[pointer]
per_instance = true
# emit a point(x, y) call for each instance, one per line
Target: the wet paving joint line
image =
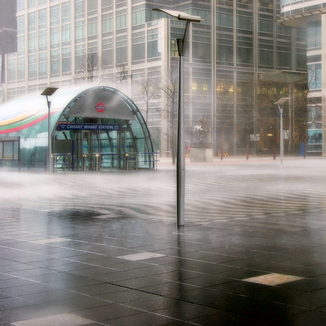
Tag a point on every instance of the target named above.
point(138, 309)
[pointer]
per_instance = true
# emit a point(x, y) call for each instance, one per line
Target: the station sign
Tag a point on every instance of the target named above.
point(88, 126)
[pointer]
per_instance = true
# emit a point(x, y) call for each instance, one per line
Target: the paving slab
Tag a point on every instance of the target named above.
point(104, 248)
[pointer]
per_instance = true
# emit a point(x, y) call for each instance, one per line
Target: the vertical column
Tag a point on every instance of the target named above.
point(213, 42)
point(323, 33)
point(256, 57)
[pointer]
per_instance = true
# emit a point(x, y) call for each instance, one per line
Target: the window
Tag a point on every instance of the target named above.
point(79, 31)
point(42, 65)
point(79, 57)
point(121, 19)
point(314, 34)
point(314, 76)
point(92, 48)
point(66, 34)
point(266, 26)
point(138, 46)
point(20, 45)
point(42, 40)
point(32, 67)
point(20, 25)
point(65, 12)
point(107, 23)
point(224, 19)
point(31, 4)
point(121, 49)
point(106, 5)
point(245, 50)
point(21, 69)
point(107, 52)
point(55, 15)
point(92, 26)
point(32, 42)
point(32, 21)
point(79, 9)
point(55, 37)
point(11, 70)
point(42, 19)
point(244, 23)
point(153, 49)
point(66, 61)
point(266, 58)
point(55, 63)
point(224, 48)
point(20, 5)
point(92, 7)
point(139, 17)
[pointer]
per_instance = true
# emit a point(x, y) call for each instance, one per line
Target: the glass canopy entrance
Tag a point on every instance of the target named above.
point(94, 129)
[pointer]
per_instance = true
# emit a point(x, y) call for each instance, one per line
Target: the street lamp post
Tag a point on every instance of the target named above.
point(48, 92)
point(180, 135)
point(278, 103)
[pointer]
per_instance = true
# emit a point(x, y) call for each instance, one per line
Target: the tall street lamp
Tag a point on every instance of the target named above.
point(278, 103)
point(181, 43)
point(48, 92)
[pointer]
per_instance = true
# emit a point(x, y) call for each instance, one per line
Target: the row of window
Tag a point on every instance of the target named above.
point(79, 5)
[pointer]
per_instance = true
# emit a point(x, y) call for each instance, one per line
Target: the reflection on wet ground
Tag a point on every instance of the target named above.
point(103, 248)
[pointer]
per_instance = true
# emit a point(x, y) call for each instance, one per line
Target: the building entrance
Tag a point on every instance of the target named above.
point(94, 150)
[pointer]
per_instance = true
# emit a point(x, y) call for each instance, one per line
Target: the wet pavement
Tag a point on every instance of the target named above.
point(103, 248)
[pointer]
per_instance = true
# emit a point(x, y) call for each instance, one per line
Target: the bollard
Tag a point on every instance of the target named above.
point(97, 162)
point(84, 162)
point(127, 161)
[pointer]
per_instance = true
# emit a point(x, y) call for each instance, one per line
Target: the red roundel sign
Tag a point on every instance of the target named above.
point(100, 107)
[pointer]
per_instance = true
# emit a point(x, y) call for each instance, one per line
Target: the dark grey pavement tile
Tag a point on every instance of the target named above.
point(50, 296)
point(108, 312)
point(188, 311)
point(27, 289)
point(125, 296)
point(141, 319)
point(221, 319)
point(140, 282)
point(152, 302)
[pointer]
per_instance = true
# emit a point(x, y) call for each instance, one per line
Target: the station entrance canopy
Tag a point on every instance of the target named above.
point(92, 129)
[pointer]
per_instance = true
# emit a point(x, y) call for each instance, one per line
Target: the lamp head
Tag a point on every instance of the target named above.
point(49, 91)
point(180, 15)
point(282, 100)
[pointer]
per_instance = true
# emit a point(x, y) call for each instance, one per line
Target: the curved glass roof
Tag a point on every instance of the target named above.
point(26, 117)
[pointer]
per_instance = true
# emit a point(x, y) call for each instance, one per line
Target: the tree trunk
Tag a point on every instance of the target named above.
point(274, 145)
point(305, 140)
point(222, 142)
point(173, 146)
point(248, 145)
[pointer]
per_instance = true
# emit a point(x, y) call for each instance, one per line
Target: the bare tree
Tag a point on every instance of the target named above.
point(169, 88)
point(148, 90)
point(246, 116)
point(224, 104)
point(87, 69)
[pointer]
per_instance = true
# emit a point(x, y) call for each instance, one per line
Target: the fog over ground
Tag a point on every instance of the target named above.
point(234, 188)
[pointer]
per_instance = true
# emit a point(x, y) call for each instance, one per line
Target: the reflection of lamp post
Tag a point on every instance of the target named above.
point(181, 137)
point(278, 103)
point(48, 92)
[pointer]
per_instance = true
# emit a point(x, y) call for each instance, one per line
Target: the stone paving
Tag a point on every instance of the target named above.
point(103, 248)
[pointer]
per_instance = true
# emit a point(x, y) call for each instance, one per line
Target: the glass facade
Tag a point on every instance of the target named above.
point(308, 15)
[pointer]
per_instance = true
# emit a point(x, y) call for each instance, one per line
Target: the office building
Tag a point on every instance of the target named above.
point(234, 58)
point(310, 15)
